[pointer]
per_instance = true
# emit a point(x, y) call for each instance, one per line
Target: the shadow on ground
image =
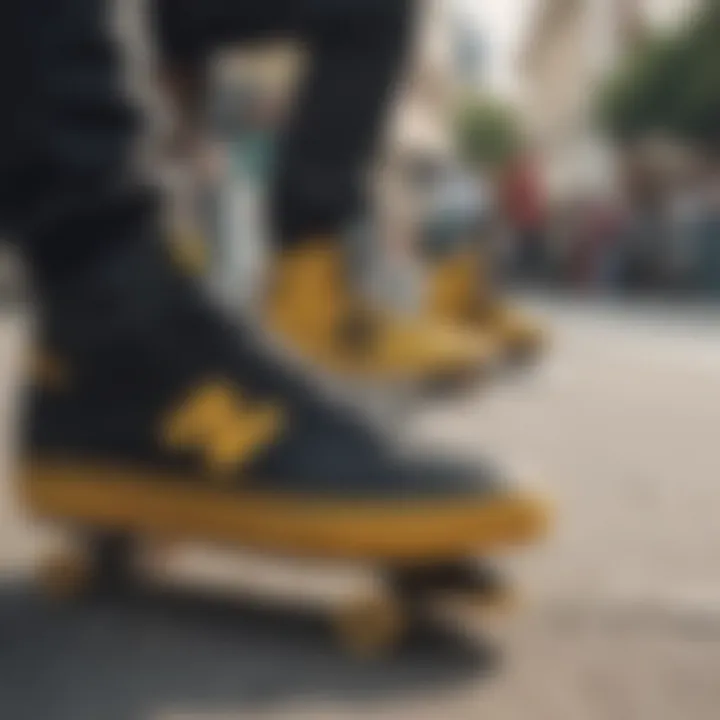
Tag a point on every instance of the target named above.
point(149, 652)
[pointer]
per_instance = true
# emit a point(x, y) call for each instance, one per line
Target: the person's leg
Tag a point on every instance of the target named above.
point(356, 50)
point(325, 155)
point(68, 177)
point(357, 53)
point(147, 413)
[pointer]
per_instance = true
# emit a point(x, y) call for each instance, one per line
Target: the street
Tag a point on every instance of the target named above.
point(621, 616)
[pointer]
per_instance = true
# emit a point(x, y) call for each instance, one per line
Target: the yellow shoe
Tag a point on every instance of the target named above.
point(456, 289)
point(522, 339)
point(311, 306)
point(189, 250)
point(461, 293)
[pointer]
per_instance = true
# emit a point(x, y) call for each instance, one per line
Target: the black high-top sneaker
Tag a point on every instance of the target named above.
point(149, 414)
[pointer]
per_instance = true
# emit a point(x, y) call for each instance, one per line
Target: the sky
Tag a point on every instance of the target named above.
point(504, 24)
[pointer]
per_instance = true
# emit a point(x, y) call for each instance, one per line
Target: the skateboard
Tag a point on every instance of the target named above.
point(369, 624)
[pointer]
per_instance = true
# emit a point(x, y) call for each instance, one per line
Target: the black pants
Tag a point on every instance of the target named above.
point(68, 187)
point(67, 182)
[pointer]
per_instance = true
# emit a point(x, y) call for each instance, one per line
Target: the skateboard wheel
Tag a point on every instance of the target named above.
point(101, 564)
point(113, 555)
point(370, 628)
point(497, 602)
point(66, 576)
point(472, 584)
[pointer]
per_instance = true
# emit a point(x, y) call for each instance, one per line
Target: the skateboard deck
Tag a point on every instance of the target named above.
point(370, 622)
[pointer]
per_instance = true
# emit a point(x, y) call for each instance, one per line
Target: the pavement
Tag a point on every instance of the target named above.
point(622, 611)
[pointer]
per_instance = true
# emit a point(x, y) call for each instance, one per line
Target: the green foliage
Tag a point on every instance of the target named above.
point(670, 85)
point(634, 102)
point(487, 133)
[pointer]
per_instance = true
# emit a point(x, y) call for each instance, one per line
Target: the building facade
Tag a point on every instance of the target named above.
point(570, 49)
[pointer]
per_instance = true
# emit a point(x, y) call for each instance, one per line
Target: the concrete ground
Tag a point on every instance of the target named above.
point(622, 617)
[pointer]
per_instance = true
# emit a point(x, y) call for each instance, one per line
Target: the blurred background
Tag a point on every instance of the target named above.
point(582, 135)
point(577, 142)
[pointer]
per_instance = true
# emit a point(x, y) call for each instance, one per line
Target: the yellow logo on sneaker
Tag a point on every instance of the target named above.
point(224, 426)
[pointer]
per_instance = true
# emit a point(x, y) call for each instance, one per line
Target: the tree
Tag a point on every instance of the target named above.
point(487, 133)
point(635, 100)
point(670, 85)
point(696, 96)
